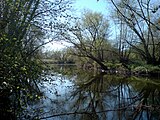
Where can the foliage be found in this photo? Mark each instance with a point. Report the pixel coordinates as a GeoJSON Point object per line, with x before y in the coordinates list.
{"type": "Point", "coordinates": [23, 28]}
{"type": "Point", "coordinates": [154, 68]}
{"type": "Point", "coordinates": [140, 69]}
{"type": "Point", "coordinates": [151, 70]}
{"type": "Point", "coordinates": [59, 57]}
{"type": "Point", "coordinates": [89, 36]}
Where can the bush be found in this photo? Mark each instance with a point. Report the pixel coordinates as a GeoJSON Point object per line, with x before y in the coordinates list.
{"type": "Point", "coordinates": [154, 69]}
{"type": "Point", "coordinates": [140, 69]}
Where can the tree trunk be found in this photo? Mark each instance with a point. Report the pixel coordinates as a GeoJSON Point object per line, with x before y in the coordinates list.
{"type": "Point", "coordinates": [104, 67]}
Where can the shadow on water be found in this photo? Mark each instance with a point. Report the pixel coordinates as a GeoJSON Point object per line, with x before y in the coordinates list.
{"type": "Point", "coordinates": [71, 94]}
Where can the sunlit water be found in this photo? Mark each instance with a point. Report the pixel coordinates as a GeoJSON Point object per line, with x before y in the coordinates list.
{"type": "Point", "coordinates": [95, 97]}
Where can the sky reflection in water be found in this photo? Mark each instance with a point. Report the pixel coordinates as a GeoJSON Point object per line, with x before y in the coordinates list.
{"type": "Point", "coordinates": [84, 96]}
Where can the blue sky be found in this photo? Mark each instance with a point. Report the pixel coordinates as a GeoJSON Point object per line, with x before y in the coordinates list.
{"type": "Point", "coordinates": [100, 6]}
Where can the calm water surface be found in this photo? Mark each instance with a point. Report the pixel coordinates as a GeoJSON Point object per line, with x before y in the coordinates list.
{"type": "Point", "coordinates": [71, 94]}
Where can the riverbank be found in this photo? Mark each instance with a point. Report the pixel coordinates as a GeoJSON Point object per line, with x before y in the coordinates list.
{"type": "Point", "coordinates": [113, 68]}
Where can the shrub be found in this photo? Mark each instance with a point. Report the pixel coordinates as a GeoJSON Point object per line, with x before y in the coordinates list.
{"type": "Point", "coordinates": [140, 69]}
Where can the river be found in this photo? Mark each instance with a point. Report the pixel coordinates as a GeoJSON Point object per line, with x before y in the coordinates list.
{"type": "Point", "coordinates": [72, 94]}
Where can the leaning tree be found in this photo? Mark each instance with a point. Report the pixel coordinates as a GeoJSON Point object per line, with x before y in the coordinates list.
{"type": "Point", "coordinates": [89, 36]}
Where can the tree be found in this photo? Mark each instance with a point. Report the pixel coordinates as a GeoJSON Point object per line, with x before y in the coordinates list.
{"type": "Point", "coordinates": [24, 24]}
{"type": "Point", "coordinates": [140, 18]}
{"type": "Point", "coordinates": [89, 37]}
{"type": "Point", "coordinates": [123, 35]}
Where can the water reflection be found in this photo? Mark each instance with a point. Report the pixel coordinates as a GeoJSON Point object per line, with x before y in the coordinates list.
{"type": "Point", "coordinates": [71, 94]}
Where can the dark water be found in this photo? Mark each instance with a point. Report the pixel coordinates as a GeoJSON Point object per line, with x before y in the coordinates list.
{"type": "Point", "coordinates": [71, 94]}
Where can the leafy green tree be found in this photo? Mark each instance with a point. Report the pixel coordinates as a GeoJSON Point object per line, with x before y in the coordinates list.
{"type": "Point", "coordinates": [89, 37]}
{"type": "Point", "coordinates": [24, 26]}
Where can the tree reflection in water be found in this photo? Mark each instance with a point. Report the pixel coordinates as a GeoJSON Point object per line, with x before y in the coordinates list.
{"type": "Point", "coordinates": [113, 97]}
{"type": "Point", "coordinates": [102, 97]}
